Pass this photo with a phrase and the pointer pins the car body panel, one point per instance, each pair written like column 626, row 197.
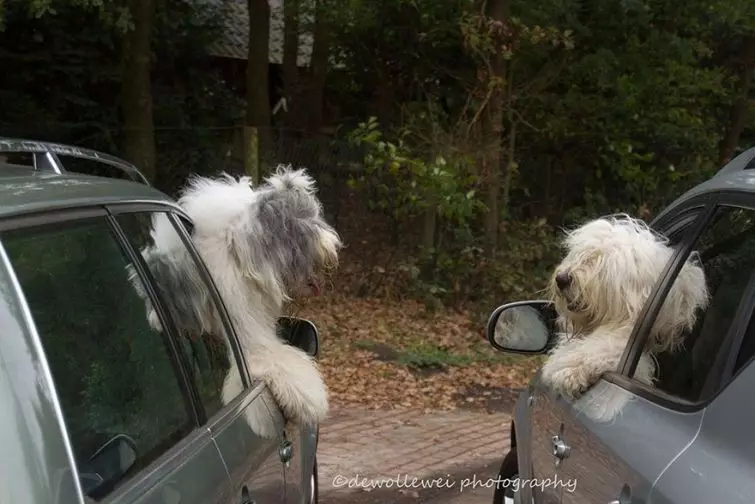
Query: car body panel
column 620, row 444
column 45, row 191
column 38, row 464
column 193, row 471
column 522, row 429
column 299, row 472
column 719, row 464
column 248, row 436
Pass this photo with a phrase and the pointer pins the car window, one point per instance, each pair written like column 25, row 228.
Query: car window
column 116, row 377
column 194, row 315
column 726, row 250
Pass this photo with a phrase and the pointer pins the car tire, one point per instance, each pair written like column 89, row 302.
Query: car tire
column 509, row 470
column 314, row 485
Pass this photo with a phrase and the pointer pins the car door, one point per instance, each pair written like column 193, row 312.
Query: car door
column 238, row 413
column 717, row 466
column 623, row 434
column 591, row 450
column 132, row 424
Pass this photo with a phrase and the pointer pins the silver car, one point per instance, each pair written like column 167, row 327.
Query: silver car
column 98, row 406
column 685, row 440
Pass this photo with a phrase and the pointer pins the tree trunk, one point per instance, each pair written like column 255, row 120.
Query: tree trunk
column 429, row 225
column 136, row 93
column 290, row 60
column 496, row 10
column 257, row 70
column 511, row 150
column 738, row 114
column 318, row 68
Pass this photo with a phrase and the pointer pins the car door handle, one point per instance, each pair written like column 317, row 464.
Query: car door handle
column 561, row 450
column 245, row 497
column 286, row 451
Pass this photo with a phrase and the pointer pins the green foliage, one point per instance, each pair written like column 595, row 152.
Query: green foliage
column 407, row 184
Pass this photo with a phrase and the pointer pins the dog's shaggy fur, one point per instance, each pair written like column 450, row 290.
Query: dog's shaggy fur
column 599, row 289
column 262, row 246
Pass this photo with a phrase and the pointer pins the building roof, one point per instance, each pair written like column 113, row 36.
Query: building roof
column 234, row 41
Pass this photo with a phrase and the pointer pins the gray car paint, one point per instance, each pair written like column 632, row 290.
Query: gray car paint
column 37, row 465
column 719, row 464
column 254, row 466
column 43, row 468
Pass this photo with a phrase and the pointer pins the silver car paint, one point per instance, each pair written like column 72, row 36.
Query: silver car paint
column 719, row 465
column 37, row 465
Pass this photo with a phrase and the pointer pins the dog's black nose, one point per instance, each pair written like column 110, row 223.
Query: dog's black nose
column 563, row 280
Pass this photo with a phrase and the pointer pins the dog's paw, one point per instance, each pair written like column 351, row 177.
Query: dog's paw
column 569, row 382
column 298, row 388
column 303, row 402
column 260, row 420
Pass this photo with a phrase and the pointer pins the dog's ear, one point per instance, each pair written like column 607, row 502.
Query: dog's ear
column 284, row 236
column 680, row 310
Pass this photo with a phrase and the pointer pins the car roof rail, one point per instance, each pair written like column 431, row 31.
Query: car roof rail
column 46, row 156
column 744, row 161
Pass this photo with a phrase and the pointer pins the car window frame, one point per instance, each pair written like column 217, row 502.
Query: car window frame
column 198, row 432
column 707, row 204
column 175, row 218
column 172, row 211
column 252, row 388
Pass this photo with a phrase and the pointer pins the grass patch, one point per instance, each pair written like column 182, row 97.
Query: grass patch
column 425, row 356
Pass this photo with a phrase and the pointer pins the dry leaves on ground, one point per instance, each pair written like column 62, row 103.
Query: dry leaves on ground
column 383, row 354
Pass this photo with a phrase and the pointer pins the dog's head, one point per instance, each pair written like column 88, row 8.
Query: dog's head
column 610, row 267
column 274, row 236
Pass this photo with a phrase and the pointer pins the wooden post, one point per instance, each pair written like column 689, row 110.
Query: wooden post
column 252, row 153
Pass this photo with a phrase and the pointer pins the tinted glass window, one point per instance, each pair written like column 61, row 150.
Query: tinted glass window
column 191, row 307
column 726, row 251
column 116, row 376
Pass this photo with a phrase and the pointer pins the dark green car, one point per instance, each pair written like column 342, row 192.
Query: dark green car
column 97, row 405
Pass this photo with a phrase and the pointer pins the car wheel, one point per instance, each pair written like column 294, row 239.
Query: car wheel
column 314, row 485
column 504, row 494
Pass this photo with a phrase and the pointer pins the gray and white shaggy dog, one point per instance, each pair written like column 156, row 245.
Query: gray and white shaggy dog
column 599, row 289
column 262, row 246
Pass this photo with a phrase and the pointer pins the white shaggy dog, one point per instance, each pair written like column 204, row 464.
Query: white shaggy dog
column 262, row 246
column 599, row 289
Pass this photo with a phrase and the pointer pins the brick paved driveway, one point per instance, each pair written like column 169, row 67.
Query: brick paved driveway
column 448, row 450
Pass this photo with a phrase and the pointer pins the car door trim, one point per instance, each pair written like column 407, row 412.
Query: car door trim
column 647, row 316
column 172, row 210
column 169, row 461
column 728, row 198
column 46, row 371
column 234, row 409
column 215, row 293
column 188, row 387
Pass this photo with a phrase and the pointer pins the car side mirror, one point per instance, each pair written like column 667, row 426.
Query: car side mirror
column 523, row 327
column 108, row 465
column 300, row 333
